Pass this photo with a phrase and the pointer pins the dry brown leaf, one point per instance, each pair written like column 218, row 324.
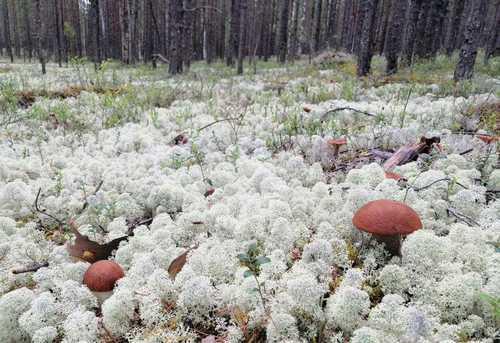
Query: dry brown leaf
column 85, row 249
column 177, row 264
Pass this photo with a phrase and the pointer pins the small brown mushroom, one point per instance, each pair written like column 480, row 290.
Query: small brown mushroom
column 394, row 176
column 307, row 109
column 387, row 221
column 336, row 144
column 101, row 278
column 488, row 139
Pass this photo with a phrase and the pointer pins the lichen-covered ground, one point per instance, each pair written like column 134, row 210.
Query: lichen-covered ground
column 274, row 254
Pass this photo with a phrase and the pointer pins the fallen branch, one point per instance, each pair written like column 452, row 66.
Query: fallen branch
column 385, row 155
column 466, row 152
column 462, row 217
column 408, row 153
column 218, row 121
column 344, row 109
column 30, row 269
column 39, row 210
column 418, row 189
column 160, row 57
column 86, row 202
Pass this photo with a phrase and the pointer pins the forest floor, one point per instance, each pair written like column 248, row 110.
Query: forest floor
column 242, row 173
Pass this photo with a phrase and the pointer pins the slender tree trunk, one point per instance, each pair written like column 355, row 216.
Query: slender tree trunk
column 456, row 18
column 411, row 31
column 6, row 25
column 365, row 49
column 40, row 36
column 394, row 35
column 317, row 33
column 294, row 38
column 468, row 52
column 492, row 43
column 15, row 30
column 332, row 22
column 175, row 22
column 27, row 24
column 235, row 32
column 283, row 40
column 58, row 34
column 241, row 48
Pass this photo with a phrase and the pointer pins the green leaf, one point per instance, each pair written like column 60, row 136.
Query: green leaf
column 243, row 258
column 247, row 273
column 263, row 260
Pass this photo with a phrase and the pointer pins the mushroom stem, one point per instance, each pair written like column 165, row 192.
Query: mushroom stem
column 392, row 243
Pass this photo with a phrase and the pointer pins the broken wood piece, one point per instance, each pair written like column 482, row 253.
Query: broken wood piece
column 409, row 153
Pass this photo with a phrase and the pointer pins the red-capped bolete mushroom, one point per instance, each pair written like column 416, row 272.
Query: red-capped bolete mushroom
column 101, row 278
column 387, row 221
column 394, row 176
column 336, row 144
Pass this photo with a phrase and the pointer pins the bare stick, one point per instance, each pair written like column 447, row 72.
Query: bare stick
column 462, row 217
column 30, row 269
column 346, row 108
column 86, row 202
column 417, row 189
column 218, row 121
column 37, row 209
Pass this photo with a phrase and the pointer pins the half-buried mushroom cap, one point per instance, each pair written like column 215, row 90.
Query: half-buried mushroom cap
column 101, row 277
column 386, row 218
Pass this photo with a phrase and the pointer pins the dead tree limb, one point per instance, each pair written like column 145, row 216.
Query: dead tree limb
column 30, row 269
column 160, row 57
column 462, row 217
column 347, row 108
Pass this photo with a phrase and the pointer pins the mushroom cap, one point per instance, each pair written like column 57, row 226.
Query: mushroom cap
column 386, row 218
column 338, row 141
column 392, row 175
column 101, row 276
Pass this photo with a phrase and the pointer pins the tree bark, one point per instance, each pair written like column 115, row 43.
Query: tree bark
column 468, row 52
column 332, row 22
column 175, row 22
column 283, row 40
column 294, row 37
column 40, row 36
column 241, row 47
column 368, row 8
column 27, row 24
column 317, row 32
column 456, row 18
column 394, row 36
column 492, row 43
column 6, row 25
column 411, row 31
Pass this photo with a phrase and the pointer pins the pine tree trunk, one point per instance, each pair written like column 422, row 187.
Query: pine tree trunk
column 40, row 36
column 456, row 18
column 241, row 47
column 468, row 52
column 15, row 30
column 188, row 35
column 368, row 8
column 394, row 35
column 411, row 31
column 317, row 33
column 283, row 40
column 492, row 42
column 294, row 38
column 27, row 24
column 58, row 34
column 332, row 22
column 175, row 23
column 6, row 25
column 235, row 32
